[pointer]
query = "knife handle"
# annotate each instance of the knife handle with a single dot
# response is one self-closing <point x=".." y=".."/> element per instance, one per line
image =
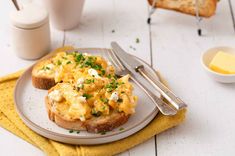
<point x="165" y="92"/>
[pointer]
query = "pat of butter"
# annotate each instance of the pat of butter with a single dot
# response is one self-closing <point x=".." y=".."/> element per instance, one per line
<point x="223" y="63"/>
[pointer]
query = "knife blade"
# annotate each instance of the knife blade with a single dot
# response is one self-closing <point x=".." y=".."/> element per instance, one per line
<point x="132" y="64"/>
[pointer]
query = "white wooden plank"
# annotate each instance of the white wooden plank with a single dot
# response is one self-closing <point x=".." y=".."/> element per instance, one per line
<point x="144" y="149"/>
<point x="128" y="20"/>
<point x="209" y="127"/>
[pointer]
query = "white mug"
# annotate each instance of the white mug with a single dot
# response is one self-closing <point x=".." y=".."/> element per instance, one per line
<point x="65" y="14"/>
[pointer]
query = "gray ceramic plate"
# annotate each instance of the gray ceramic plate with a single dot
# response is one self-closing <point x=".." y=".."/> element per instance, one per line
<point x="31" y="108"/>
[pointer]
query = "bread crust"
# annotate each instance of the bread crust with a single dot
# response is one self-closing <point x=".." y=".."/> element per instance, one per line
<point x="42" y="82"/>
<point x="93" y="125"/>
<point x="188" y="6"/>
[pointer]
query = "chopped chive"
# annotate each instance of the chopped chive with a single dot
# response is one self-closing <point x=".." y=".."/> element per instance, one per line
<point x="88" y="81"/>
<point x="79" y="58"/>
<point x="103" y="108"/>
<point x="104" y="100"/>
<point x="70" y="131"/>
<point x="121" y="129"/>
<point x="59" y="62"/>
<point x="103" y="71"/>
<point x="87" y="96"/>
<point x="78" y="132"/>
<point x="97" y="67"/>
<point x="137" y="40"/>
<point x="119" y="100"/>
<point x="95" y="113"/>
<point x="103" y="133"/>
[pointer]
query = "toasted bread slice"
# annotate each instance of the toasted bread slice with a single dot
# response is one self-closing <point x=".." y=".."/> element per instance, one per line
<point x="94" y="124"/>
<point x="42" y="81"/>
<point x="207" y="8"/>
<point x="84" y="92"/>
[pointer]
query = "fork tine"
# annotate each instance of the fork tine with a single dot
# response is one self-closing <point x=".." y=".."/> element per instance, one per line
<point x="116" y="60"/>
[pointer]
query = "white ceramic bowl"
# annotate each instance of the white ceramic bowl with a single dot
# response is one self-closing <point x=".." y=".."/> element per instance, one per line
<point x="206" y="59"/>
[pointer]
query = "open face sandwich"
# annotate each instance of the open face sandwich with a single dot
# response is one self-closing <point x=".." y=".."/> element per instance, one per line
<point x="84" y="92"/>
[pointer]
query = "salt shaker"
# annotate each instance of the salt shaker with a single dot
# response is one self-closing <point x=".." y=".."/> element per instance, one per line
<point x="30" y="31"/>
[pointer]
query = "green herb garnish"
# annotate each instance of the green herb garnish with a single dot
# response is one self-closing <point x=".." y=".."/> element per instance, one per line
<point x="121" y="129"/>
<point x="88" y="81"/>
<point x="137" y="40"/>
<point x="103" y="133"/>
<point x="78" y="132"/>
<point x="119" y="100"/>
<point x="79" y="58"/>
<point x="103" y="71"/>
<point x="95" y="113"/>
<point x="97" y="67"/>
<point x="59" y="62"/>
<point x="87" y="96"/>
<point x="70" y="131"/>
<point x="112" y="86"/>
<point x="103" y="107"/>
<point x="68" y="62"/>
<point x="104" y="100"/>
<point x="90" y="62"/>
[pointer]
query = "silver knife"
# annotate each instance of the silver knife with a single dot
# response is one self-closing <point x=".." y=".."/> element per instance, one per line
<point x="138" y="67"/>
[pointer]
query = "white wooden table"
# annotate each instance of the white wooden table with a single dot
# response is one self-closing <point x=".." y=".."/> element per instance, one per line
<point x="170" y="45"/>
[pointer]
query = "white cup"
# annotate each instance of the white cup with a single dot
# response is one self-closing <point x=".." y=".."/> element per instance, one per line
<point x="65" y="14"/>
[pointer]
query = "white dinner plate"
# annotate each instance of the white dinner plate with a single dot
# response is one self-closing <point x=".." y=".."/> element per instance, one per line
<point x="30" y="105"/>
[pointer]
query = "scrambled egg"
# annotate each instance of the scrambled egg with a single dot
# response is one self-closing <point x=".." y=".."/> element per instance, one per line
<point x="88" y="86"/>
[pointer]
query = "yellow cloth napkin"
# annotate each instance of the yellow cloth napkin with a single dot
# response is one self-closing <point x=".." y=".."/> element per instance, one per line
<point x="10" y="120"/>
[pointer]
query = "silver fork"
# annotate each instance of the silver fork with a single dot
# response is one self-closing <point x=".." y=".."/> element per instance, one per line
<point x="163" y="107"/>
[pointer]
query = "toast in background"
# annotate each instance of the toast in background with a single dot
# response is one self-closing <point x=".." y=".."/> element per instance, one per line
<point x="207" y="8"/>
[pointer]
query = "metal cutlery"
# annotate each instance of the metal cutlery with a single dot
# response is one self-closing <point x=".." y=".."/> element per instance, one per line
<point x="121" y="70"/>
<point x="133" y="65"/>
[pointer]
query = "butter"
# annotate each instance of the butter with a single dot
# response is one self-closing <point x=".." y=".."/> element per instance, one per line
<point x="223" y="63"/>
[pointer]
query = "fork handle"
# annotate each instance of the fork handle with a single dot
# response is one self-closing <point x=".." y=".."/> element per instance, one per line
<point x="163" y="107"/>
<point x="167" y="93"/>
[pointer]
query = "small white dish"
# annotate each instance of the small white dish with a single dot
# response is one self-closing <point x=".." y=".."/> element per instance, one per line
<point x="29" y="102"/>
<point x="207" y="57"/>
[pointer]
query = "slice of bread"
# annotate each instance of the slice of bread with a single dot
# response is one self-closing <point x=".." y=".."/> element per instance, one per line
<point x="84" y="92"/>
<point x="40" y="81"/>
<point x="94" y="124"/>
<point x="207" y="8"/>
